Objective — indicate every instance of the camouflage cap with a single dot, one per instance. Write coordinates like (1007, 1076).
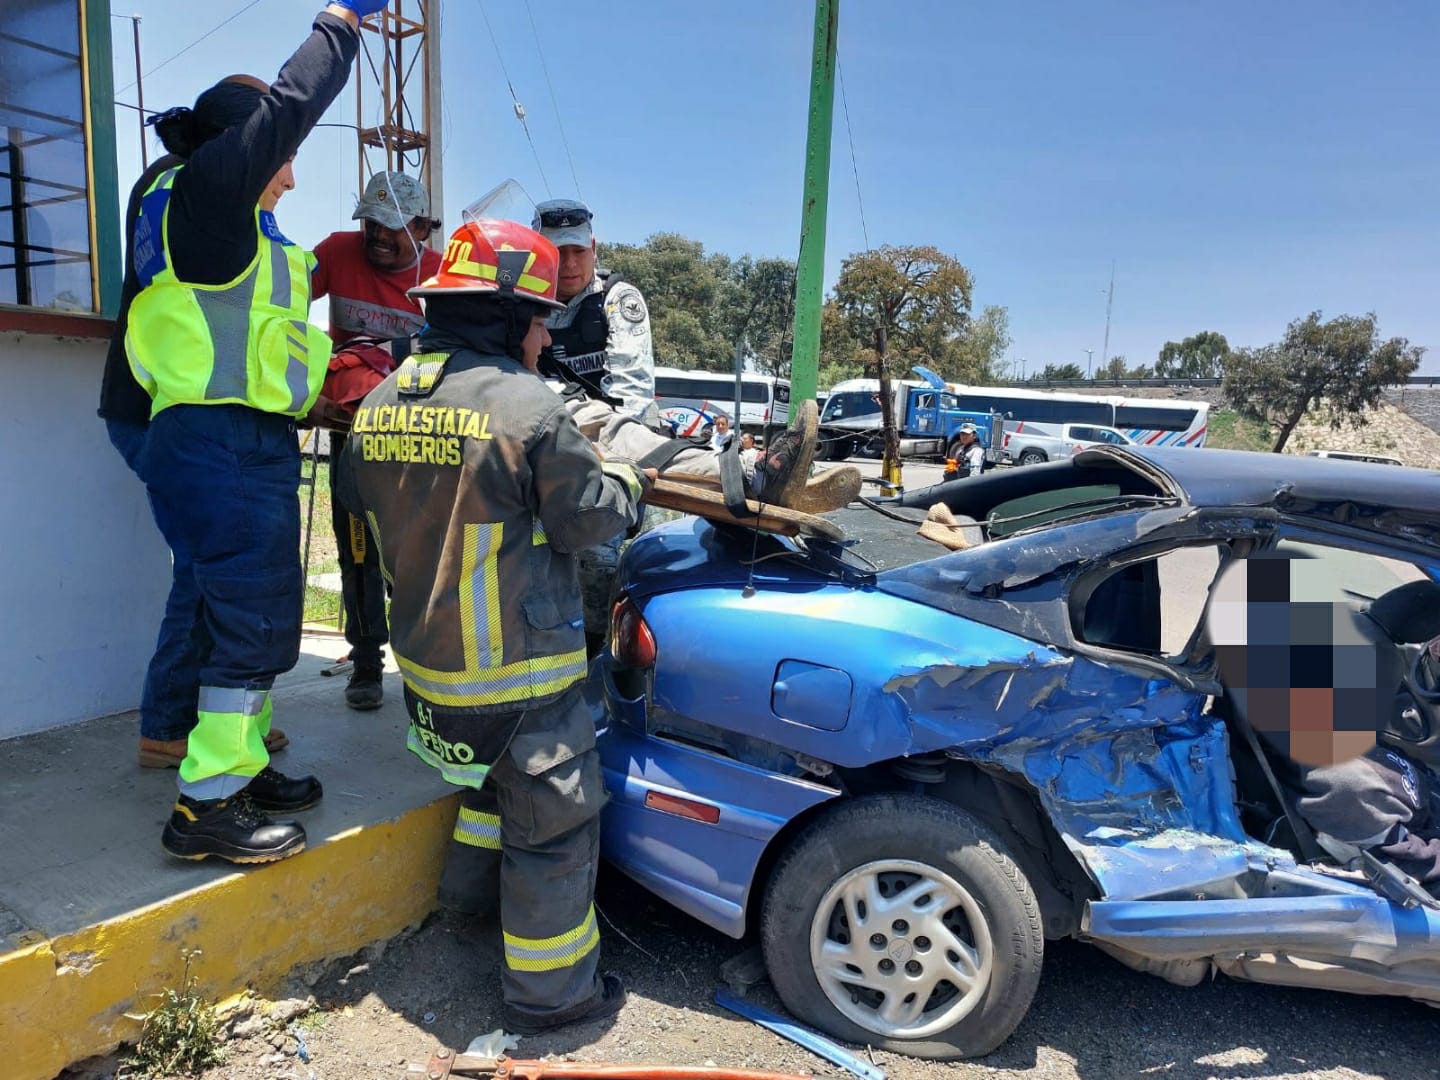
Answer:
(392, 199)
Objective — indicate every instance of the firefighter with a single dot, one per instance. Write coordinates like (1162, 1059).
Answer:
(217, 336)
(481, 489)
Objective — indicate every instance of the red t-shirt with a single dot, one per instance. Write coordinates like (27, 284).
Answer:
(363, 300)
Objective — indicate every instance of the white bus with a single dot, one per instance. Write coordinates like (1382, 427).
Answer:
(690, 400)
(1147, 421)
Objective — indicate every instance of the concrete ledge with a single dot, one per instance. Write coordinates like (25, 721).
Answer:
(94, 917)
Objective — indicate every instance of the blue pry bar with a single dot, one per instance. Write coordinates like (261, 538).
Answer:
(810, 1040)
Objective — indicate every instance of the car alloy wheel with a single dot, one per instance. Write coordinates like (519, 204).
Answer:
(901, 949)
(899, 921)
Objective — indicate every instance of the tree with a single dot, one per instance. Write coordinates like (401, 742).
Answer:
(842, 355)
(1201, 356)
(757, 304)
(1117, 368)
(977, 356)
(682, 290)
(1059, 373)
(913, 303)
(1339, 367)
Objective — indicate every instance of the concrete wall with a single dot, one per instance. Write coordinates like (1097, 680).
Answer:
(1421, 402)
(83, 570)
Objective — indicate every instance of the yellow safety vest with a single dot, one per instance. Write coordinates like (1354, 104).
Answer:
(246, 342)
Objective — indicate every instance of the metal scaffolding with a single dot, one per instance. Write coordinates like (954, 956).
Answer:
(403, 67)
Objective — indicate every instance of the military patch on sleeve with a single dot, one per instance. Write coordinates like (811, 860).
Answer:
(632, 307)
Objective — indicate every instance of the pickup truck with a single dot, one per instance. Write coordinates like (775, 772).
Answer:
(926, 415)
(1029, 442)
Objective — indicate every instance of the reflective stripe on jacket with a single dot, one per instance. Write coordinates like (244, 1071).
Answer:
(247, 342)
(479, 488)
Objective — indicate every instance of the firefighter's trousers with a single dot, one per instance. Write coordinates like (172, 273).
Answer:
(528, 842)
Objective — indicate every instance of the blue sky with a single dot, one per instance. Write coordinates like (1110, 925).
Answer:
(1241, 163)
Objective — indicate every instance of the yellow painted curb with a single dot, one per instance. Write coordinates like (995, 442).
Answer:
(66, 999)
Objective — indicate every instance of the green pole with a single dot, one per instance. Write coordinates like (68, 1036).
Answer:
(810, 269)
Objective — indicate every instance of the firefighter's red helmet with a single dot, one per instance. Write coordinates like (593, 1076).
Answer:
(498, 257)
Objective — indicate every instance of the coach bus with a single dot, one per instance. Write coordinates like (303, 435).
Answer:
(690, 400)
(1148, 421)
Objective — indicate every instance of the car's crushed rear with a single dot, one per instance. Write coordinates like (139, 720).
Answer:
(788, 677)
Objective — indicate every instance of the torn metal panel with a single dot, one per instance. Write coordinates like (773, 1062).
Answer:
(1132, 772)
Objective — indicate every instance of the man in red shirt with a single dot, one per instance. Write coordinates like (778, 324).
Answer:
(366, 274)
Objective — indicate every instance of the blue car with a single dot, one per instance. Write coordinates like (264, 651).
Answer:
(904, 768)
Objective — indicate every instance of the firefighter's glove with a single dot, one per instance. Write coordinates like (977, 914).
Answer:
(636, 480)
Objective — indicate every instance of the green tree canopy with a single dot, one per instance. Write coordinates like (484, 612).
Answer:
(918, 295)
(1339, 367)
(1058, 373)
(1201, 356)
(702, 303)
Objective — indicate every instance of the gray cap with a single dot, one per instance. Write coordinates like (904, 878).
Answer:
(392, 199)
(968, 428)
(564, 222)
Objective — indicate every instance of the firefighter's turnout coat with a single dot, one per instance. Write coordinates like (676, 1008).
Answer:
(479, 488)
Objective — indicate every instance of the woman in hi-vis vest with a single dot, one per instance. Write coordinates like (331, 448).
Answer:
(218, 337)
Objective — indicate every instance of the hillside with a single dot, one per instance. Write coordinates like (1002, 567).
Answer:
(1409, 434)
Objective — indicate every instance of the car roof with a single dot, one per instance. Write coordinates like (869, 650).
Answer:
(1218, 478)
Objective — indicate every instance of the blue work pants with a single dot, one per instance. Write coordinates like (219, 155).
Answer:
(225, 481)
(172, 681)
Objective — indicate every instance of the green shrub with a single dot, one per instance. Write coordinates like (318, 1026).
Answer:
(182, 1035)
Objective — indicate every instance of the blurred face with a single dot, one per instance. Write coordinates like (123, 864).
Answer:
(747, 441)
(577, 270)
(281, 182)
(966, 438)
(389, 250)
(722, 424)
(534, 341)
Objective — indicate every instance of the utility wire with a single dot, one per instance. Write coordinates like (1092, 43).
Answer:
(553, 103)
(855, 168)
(187, 48)
(519, 109)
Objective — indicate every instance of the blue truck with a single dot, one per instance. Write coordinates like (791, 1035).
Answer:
(927, 416)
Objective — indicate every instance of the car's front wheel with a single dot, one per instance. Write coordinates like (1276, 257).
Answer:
(899, 921)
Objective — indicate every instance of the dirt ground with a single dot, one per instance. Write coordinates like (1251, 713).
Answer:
(378, 1016)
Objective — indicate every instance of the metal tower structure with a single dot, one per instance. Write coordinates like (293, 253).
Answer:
(397, 96)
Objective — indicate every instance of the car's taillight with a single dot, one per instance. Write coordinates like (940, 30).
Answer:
(631, 642)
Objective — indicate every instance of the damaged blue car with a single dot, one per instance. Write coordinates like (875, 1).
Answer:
(905, 767)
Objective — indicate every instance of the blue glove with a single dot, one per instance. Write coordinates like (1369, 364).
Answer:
(362, 8)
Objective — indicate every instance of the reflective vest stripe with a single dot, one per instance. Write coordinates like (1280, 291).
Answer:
(236, 702)
(480, 597)
(537, 534)
(297, 371)
(454, 772)
(552, 953)
(478, 829)
(227, 315)
(537, 677)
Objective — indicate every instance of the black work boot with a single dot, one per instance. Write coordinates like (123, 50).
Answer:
(234, 829)
(608, 999)
(365, 691)
(274, 791)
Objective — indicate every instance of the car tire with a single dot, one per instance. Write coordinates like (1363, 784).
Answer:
(880, 848)
(1032, 457)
